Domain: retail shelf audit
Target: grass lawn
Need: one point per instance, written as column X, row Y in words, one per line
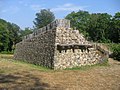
column 17, row 75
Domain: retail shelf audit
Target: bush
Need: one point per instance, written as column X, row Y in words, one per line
column 115, row 48
column 116, row 52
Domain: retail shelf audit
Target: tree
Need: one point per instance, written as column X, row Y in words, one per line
column 99, row 27
column 95, row 27
column 43, row 18
column 9, row 35
column 4, row 38
column 115, row 28
column 25, row 32
column 79, row 20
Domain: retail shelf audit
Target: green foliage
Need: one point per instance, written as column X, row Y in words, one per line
column 115, row 28
column 4, row 39
column 79, row 20
column 6, row 52
column 98, row 27
column 26, row 32
column 43, row 18
column 115, row 48
column 116, row 53
column 9, row 35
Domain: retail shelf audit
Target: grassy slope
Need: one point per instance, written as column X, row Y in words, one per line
column 19, row 75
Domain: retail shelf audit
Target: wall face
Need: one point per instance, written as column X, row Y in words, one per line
column 71, row 59
column 67, row 55
column 37, row 50
column 57, row 46
column 69, row 36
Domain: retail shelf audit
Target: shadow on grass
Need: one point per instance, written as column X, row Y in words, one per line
column 18, row 82
column 7, row 78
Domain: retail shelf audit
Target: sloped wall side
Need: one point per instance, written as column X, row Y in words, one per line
column 37, row 50
column 67, row 55
column 69, row 36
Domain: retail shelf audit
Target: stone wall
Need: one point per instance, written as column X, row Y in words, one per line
column 69, row 59
column 57, row 23
column 57, row 46
column 37, row 50
column 72, row 50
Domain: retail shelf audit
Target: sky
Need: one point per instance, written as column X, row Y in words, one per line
column 22, row 12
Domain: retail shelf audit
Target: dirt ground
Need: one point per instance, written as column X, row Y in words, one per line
column 21, row 76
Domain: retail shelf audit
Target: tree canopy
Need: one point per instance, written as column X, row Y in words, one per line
column 98, row 27
column 115, row 28
column 26, row 31
column 9, row 35
column 44, row 17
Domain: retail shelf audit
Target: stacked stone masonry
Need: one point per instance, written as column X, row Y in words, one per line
column 58, row 46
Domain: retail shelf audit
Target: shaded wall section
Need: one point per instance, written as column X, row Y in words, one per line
column 38, row 50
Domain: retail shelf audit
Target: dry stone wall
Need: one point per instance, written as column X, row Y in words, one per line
column 69, row 59
column 70, row 36
column 37, row 50
column 57, row 46
column 72, row 50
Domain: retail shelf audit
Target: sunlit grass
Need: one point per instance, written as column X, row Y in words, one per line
column 6, row 56
column 9, row 65
column 87, row 67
